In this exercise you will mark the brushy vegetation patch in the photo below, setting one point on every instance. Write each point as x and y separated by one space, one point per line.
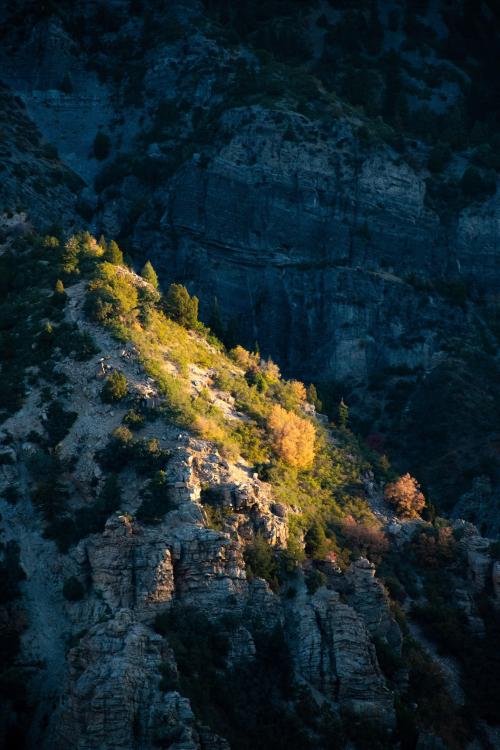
273 427
33 334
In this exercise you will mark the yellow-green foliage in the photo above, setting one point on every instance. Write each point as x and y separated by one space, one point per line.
329 490
112 297
320 480
79 253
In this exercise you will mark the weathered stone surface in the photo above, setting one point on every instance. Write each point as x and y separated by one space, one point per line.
111 694
332 651
475 549
241 647
368 597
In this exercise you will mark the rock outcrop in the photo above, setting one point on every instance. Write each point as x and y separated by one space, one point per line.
366 594
333 653
111 698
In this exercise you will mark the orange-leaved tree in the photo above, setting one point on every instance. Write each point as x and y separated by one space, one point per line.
406 495
293 437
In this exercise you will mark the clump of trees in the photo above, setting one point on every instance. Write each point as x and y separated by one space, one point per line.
293 437
406 496
181 307
110 295
244 358
78 254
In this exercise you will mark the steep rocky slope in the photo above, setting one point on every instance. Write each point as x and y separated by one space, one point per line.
157 593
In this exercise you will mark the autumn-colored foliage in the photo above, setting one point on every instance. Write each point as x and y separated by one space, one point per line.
293 437
244 358
406 496
369 540
298 390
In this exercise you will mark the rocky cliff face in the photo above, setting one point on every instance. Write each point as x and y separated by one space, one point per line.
342 254
119 625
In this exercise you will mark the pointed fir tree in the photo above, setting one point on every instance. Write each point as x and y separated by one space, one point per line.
113 254
312 397
59 297
148 273
181 307
343 414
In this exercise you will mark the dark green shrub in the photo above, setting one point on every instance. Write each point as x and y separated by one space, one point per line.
118 450
50 496
115 387
314 580
73 590
475 185
84 346
261 561
134 420
439 157
157 500
316 543
389 660
148 456
212 495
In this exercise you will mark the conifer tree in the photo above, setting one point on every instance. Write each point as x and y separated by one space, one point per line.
148 273
312 397
181 307
59 297
113 254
